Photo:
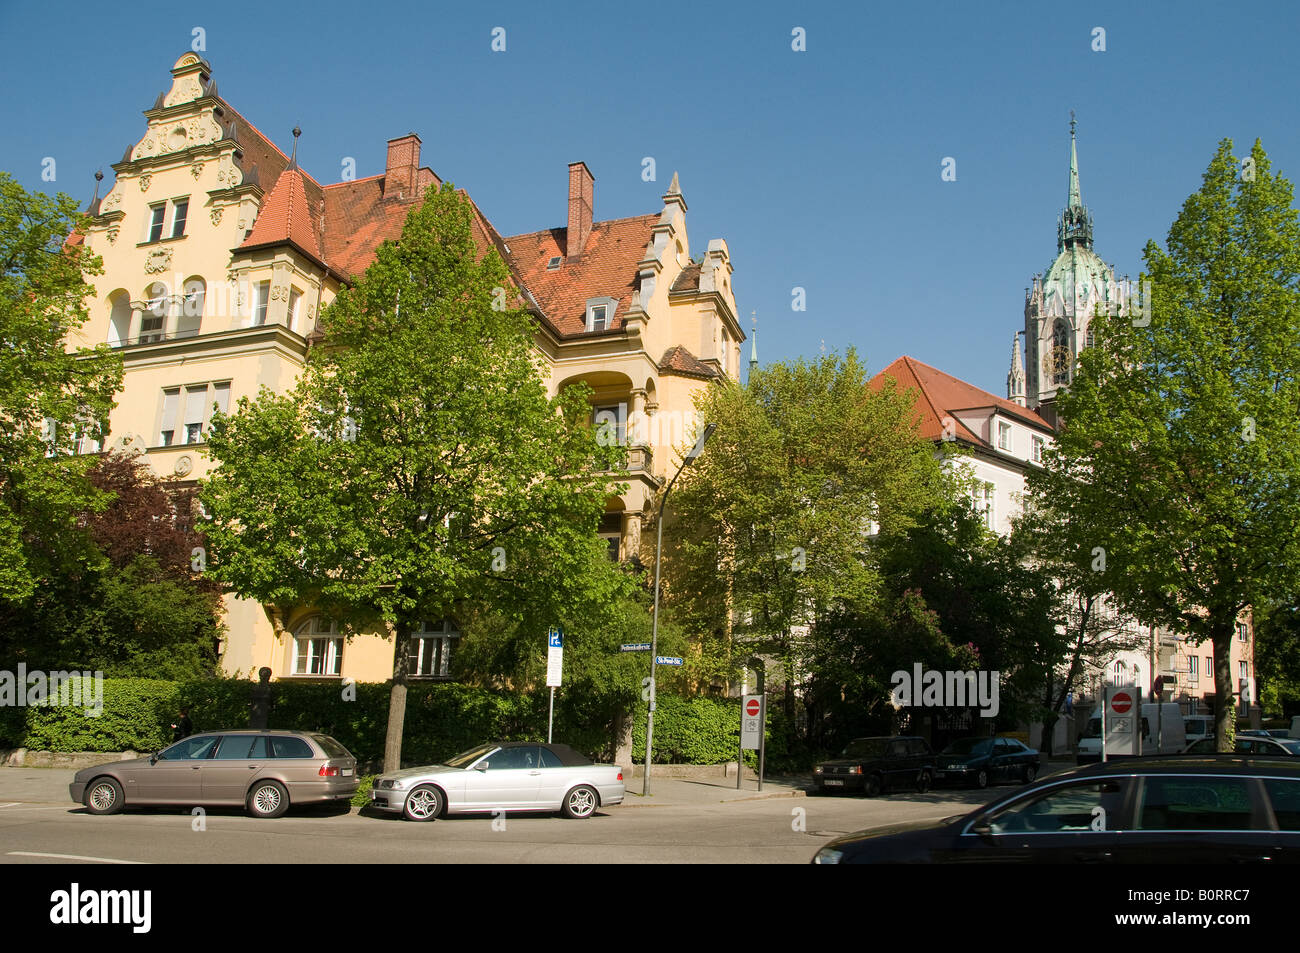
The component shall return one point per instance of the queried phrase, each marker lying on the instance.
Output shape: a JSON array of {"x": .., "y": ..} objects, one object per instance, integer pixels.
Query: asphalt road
[{"x": 778, "y": 829}]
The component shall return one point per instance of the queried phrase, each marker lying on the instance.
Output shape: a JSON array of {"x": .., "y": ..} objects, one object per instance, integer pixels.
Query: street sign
[
  {"x": 1121, "y": 727},
  {"x": 635, "y": 647},
  {"x": 554, "y": 657},
  {"x": 751, "y": 723},
  {"x": 667, "y": 660},
  {"x": 1121, "y": 702}
]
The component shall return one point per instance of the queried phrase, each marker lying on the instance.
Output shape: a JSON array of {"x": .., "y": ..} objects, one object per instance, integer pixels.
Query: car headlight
[
  {"x": 396, "y": 785},
  {"x": 828, "y": 855}
]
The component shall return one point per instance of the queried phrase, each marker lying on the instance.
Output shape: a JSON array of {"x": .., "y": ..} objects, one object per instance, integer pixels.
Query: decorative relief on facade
[
  {"x": 112, "y": 201},
  {"x": 144, "y": 182},
  {"x": 215, "y": 215},
  {"x": 159, "y": 259},
  {"x": 196, "y": 169},
  {"x": 112, "y": 235},
  {"x": 280, "y": 293},
  {"x": 183, "y": 91},
  {"x": 183, "y": 466},
  {"x": 242, "y": 226}
]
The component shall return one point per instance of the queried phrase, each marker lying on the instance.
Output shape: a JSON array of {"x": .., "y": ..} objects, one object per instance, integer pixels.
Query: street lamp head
[{"x": 696, "y": 450}]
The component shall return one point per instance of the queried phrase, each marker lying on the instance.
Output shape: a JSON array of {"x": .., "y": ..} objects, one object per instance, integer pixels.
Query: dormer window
[
  {"x": 554, "y": 263},
  {"x": 600, "y": 313}
]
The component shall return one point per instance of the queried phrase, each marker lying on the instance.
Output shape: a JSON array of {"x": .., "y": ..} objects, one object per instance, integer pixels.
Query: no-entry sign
[
  {"x": 751, "y": 723},
  {"x": 1121, "y": 702}
]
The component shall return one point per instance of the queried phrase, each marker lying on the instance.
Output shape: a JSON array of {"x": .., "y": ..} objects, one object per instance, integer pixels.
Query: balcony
[{"x": 155, "y": 337}]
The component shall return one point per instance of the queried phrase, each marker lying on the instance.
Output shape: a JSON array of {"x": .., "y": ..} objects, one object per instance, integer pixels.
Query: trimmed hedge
[{"x": 441, "y": 719}]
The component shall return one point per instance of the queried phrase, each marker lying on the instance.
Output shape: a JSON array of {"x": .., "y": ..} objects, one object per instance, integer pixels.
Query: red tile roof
[
  {"x": 681, "y": 361},
  {"x": 286, "y": 216},
  {"x": 607, "y": 269},
  {"x": 940, "y": 395}
]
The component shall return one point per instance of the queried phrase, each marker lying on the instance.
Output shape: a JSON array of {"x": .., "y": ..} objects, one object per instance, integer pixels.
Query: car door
[
  {"x": 1200, "y": 819},
  {"x": 176, "y": 777},
  {"x": 237, "y": 761},
  {"x": 507, "y": 778},
  {"x": 1068, "y": 823},
  {"x": 898, "y": 763}
]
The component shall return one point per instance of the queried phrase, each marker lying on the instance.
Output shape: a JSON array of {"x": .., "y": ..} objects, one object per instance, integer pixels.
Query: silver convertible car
[{"x": 510, "y": 776}]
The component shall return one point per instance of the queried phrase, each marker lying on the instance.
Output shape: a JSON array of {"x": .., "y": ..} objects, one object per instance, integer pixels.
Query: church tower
[{"x": 1060, "y": 305}]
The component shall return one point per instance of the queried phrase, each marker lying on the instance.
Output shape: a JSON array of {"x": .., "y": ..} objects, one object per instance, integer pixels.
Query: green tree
[
  {"x": 50, "y": 396},
  {"x": 773, "y": 518},
  {"x": 1181, "y": 445},
  {"x": 418, "y": 470}
]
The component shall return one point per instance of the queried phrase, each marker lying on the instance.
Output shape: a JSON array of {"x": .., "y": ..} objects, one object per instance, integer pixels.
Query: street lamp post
[{"x": 691, "y": 455}]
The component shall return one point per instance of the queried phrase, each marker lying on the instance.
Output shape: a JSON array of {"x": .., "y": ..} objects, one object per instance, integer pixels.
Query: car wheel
[
  {"x": 872, "y": 785},
  {"x": 581, "y": 802},
  {"x": 268, "y": 799},
  {"x": 982, "y": 778},
  {"x": 423, "y": 804},
  {"x": 1031, "y": 772},
  {"x": 104, "y": 796},
  {"x": 923, "y": 782}
]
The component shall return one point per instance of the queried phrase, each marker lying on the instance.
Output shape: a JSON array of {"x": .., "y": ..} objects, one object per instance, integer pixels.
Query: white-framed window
[
  {"x": 983, "y": 501},
  {"x": 1243, "y": 632},
  {"x": 156, "y": 215},
  {"x": 1194, "y": 667},
  {"x": 432, "y": 646},
  {"x": 600, "y": 313},
  {"x": 1004, "y": 436},
  {"x": 1037, "y": 445},
  {"x": 261, "y": 301},
  {"x": 554, "y": 263},
  {"x": 192, "y": 302},
  {"x": 1242, "y": 670},
  {"x": 292, "y": 318},
  {"x": 180, "y": 210},
  {"x": 611, "y": 424},
  {"x": 317, "y": 648},
  {"x": 198, "y": 402}
]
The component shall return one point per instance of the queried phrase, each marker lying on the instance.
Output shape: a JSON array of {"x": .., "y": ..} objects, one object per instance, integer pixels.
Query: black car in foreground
[
  {"x": 1171, "y": 809},
  {"x": 985, "y": 761},
  {"x": 872, "y": 765}
]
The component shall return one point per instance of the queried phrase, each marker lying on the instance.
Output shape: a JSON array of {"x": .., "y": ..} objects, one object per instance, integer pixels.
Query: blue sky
[{"x": 820, "y": 168}]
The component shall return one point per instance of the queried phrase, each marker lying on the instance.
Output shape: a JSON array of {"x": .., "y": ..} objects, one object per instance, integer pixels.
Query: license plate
[
  {"x": 833, "y": 784},
  {"x": 347, "y": 772}
]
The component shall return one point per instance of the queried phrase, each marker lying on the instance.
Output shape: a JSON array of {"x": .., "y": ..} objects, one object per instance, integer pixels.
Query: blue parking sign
[{"x": 555, "y": 638}]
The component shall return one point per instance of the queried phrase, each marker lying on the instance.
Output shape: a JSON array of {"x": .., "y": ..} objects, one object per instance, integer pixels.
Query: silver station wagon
[
  {"x": 509, "y": 776},
  {"x": 264, "y": 771}
]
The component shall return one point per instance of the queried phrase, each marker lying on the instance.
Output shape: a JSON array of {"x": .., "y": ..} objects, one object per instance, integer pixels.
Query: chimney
[
  {"x": 582, "y": 199},
  {"x": 402, "y": 170}
]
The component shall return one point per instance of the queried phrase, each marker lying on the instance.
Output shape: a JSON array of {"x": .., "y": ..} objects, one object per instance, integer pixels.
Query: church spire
[
  {"x": 1016, "y": 376},
  {"x": 1075, "y": 225}
]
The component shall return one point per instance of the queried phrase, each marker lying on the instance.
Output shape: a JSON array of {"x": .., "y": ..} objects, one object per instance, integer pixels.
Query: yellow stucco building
[{"x": 220, "y": 253}]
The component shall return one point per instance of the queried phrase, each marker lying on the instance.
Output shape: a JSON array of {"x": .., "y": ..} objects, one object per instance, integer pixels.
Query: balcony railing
[{"x": 155, "y": 337}]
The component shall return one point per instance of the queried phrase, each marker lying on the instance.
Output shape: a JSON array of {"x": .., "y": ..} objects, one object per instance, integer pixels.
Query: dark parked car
[
  {"x": 1219, "y": 809},
  {"x": 872, "y": 765},
  {"x": 981, "y": 761},
  {"x": 1255, "y": 744}
]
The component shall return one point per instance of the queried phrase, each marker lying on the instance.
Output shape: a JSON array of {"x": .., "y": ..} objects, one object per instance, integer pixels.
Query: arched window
[
  {"x": 119, "y": 317},
  {"x": 192, "y": 307},
  {"x": 317, "y": 648},
  {"x": 153, "y": 322}
]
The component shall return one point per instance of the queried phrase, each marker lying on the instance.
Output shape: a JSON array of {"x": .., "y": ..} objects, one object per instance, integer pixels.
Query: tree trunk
[
  {"x": 1225, "y": 714},
  {"x": 397, "y": 699}
]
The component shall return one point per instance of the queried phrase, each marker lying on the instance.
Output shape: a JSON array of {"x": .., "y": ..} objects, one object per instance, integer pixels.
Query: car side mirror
[
  {"x": 481, "y": 766},
  {"x": 153, "y": 758},
  {"x": 983, "y": 828}
]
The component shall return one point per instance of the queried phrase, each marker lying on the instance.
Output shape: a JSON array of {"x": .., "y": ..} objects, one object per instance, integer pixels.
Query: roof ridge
[
  {"x": 606, "y": 221},
  {"x": 270, "y": 142}
]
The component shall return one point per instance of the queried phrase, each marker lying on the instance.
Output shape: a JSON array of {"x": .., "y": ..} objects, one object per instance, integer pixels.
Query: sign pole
[
  {"x": 1105, "y": 703},
  {"x": 550, "y": 721},
  {"x": 762, "y": 740},
  {"x": 554, "y": 671}
]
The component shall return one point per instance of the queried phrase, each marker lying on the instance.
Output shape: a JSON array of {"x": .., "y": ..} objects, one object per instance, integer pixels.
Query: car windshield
[
  {"x": 466, "y": 758},
  {"x": 1290, "y": 744},
  {"x": 866, "y": 748},
  {"x": 968, "y": 746}
]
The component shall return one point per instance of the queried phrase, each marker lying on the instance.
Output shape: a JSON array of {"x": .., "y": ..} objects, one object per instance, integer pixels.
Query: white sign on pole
[
  {"x": 1123, "y": 711},
  {"x": 751, "y": 722},
  {"x": 554, "y": 657}
]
